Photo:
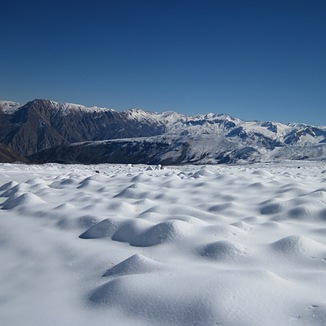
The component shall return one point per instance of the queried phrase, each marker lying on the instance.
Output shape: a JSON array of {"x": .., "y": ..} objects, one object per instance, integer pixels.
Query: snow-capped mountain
[{"x": 45, "y": 131}]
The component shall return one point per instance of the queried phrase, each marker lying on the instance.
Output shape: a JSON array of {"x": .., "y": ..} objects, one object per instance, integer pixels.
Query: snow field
[{"x": 186, "y": 245}]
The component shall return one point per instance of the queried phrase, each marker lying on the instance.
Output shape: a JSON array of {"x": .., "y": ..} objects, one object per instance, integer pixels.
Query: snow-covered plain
[{"x": 184, "y": 245}]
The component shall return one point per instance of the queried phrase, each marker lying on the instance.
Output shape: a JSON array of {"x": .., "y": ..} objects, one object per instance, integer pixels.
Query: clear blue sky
[{"x": 254, "y": 59}]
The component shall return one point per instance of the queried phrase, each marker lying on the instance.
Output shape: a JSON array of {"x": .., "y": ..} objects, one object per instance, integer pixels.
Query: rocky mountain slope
[
  {"x": 41, "y": 124},
  {"x": 47, "y": 131},
  {"x": 8, "y": 156}
]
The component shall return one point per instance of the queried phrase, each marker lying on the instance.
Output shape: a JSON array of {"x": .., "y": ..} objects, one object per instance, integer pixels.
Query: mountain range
[{"x": 42, "y": 131}]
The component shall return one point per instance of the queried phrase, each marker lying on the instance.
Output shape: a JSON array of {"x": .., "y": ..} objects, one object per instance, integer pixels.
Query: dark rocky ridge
[
  {"x": 40, "y": 124},
  {"x": 8, "y": 156}
]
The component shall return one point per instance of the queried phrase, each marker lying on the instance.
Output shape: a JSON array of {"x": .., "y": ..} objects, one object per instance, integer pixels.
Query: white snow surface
[
  {"x": 183, "y": 245},
  {"x": 67, "y": 108},
  {"x": 9, "y": 106}
]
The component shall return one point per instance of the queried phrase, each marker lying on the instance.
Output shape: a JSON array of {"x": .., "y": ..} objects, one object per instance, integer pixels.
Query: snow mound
[
  {"x": 302, "y": 212},
  {"x": 19, "y": 188},
  {"x": 8, "y": 185},
  {"x": 136, "y": 264},
  {"x": 295, "y": 245},
  {"x": 173, "y": 230},
  {"x": 165, "y": 306},
  {"x": 26, "y": 199},
  {"x": 223, "y": 249},
  {"x": 103, "y": 229},
  {"x": 132, "y": 232},
  {"x": 271, "y": 207},
  {"x": 176, "y": 209}
]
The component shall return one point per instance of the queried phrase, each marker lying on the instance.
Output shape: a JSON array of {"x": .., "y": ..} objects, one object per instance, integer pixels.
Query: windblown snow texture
[{"x": 182, "y": 245}]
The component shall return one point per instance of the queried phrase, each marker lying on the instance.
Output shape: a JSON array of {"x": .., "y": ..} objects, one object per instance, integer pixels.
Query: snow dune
[{"x": 183, "y": 245}]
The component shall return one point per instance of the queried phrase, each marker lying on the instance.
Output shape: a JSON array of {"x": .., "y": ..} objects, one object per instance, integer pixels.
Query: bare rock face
[{"x": 8, "y": 156}]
